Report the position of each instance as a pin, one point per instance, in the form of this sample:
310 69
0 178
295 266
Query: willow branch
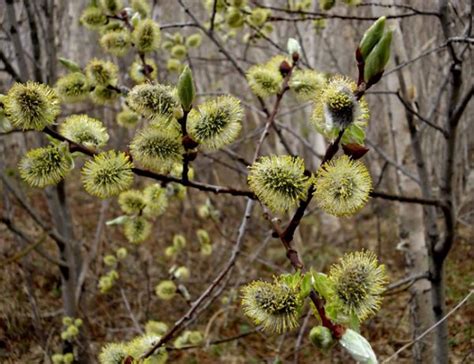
73 146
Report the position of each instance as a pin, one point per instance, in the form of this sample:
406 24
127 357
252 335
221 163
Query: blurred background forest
421 141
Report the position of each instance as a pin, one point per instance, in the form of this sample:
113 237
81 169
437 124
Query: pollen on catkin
157 147
73 87
137 229
45 166
84 130
113 353
102 95
117 43
179 51
146 36
142 7
153 101
156 327
137 70
113 26
127 118
93 18
358 282
258 16
174 65
342 186
306 84
132 202
156 200
111 6
336 107
217 122
107 174
101 72
275 306
166 290
140 345
279 181
194 40
264 81
31 105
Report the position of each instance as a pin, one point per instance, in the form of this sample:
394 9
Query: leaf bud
371 37
377 59
186 90
321 337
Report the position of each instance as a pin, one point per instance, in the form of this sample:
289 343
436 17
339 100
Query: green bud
371 37
70 65
321 337
378 58
186 90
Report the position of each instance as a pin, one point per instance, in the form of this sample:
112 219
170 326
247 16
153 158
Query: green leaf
354 322
322 285
371 37
332 311
186 90
356 133
292 280
306 285
70 65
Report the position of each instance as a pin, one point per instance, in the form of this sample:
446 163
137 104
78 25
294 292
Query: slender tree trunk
411 218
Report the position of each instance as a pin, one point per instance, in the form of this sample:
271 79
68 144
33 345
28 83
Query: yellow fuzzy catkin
84 130
275 306
358 282
31 105
336 107
157 148
107 174
342 186
279 181
216 122
45 166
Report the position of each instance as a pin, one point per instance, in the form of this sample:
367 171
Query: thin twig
426 332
